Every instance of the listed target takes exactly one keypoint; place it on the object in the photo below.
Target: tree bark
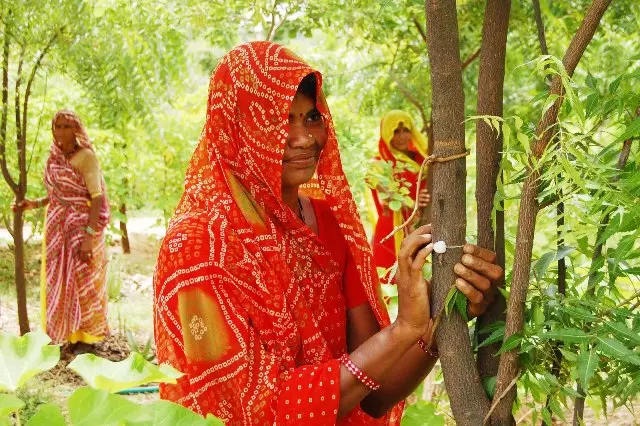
(488, 157)
(468, 400)
(509, 366)
(5, 112)
(21, 284)
(126, 248)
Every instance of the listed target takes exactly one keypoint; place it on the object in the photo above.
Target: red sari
(249, 302)
(385, 254)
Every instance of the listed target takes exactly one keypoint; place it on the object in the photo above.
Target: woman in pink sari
(73, 289)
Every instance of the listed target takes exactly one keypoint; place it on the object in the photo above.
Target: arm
(476, 271)
(30, 204)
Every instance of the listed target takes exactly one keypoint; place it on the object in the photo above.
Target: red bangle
(366, 380)
(423, 345)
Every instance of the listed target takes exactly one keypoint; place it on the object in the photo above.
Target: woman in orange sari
(73, 288)
(402, 145)
(266, 295)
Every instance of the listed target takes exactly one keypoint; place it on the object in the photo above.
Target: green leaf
(21, 358)
(556, 408)
(621, 330)
(510, 343)
(632, 129)
(449, 302)
(578, 313)
(617, 350)
(9, 404)
(47, 415)
(587, 365)
(166, 413)
(112, 376)
(567, 335)
(546, 416)
(489, 384)
(496, 336)
(94, 407)
(543, 264)
(538, 315)
(422, 413)
(395, 205)
(461, 305)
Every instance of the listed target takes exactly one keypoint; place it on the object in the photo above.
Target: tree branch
(5, 113)
(509, 363)
(470, 59)
(489, 146)
(411, 98)
(418, 25)
(22, 150)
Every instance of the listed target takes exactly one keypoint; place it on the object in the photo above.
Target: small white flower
(440, 247)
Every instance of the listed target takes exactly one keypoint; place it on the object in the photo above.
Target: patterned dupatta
(75, 290)
(248, 301)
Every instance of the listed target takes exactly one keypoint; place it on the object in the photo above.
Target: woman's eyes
(314, 117)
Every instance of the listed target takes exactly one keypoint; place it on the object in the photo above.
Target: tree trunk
(20, 280)
(488, 157)
(509, 365)
(468, 400)
(126, 248)
(578, 407)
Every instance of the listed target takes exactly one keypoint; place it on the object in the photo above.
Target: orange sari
(249, 302)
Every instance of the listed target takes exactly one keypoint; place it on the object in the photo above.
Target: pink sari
(76, 302)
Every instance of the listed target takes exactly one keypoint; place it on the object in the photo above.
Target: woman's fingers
(474, 296)
(484, 254)
(408, 249)
(421, 258)
(480, 282)
(490, 270)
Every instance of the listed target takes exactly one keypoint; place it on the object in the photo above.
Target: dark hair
(307, 86)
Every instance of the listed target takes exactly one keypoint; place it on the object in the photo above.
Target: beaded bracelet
(423, 345)
(366, 380)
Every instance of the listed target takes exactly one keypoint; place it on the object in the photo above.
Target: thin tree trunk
(488, 157)
(509, 365)
(578, 407)
(468, 400)
(21, 284)
(126, 248)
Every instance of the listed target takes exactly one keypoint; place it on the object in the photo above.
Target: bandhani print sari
(248, 301)
(73, 292)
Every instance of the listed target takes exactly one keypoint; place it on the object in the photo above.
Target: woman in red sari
(266, 297)
(402, 145)
(73, 289)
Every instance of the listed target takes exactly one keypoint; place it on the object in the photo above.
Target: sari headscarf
(75, 291)
(385, 256)
(388, 125)
(247, 299)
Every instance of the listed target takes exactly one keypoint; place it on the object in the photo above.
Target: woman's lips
(302, 161)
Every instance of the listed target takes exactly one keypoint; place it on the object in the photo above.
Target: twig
(430, 159)
(629, 299)
(495, 402)
(418, 25)
(470, 59)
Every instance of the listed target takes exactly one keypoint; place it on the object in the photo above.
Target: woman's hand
(477, 276)
(24, 205)
(86, 249)
(413, 293)
(424, 198)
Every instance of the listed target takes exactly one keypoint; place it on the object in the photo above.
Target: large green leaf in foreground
(112, 376)
(94, 407)
(21, 358)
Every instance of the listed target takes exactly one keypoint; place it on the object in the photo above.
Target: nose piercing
(310, 135)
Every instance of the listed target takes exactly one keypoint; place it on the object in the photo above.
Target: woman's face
(64, 133)
(307, 137)
(401, 138)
